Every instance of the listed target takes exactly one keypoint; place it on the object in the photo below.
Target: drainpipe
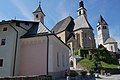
(15, 54)
(47, 52)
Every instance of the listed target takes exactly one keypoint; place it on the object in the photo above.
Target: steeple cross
(40, 2)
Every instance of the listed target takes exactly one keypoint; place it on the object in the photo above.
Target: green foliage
(91, 72)
(100, 54)
(83, 72)
(73, 73)
(91, 64)
(103, 72)
(86, 63)
(84, 53)
(77, 52)
(107, 65)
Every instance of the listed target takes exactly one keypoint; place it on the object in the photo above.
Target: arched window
(84, 12)
(111, 48)
(98, 28)
(37, 16)
(80, 12)
(71, 63)
(104, 27)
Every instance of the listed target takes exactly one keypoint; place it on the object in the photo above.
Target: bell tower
(103, 31)
(38, 14)
(81, 9)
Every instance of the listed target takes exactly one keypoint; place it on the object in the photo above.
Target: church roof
(101, 21)
(71, 37)
(65, 24)
(82, 22)
(36, 29)
(110, 40)
(39, 10)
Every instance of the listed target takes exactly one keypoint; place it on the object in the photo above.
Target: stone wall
(85, 77)
(113, 71)
(43, 77)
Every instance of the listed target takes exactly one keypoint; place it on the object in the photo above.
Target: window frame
(1, 63)
(58, 64)
(3, 42)
(36, 16)
(4, 29)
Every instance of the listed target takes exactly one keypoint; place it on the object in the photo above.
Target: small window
(111, 48)
(104, 27)
(63, 60)
(37, 16)
(85, 35)
(84, 12)
(5, 29)
(80, 12)
(1, 62)
(17, 24)
(3, 41)
(98, 28)
(58, 60)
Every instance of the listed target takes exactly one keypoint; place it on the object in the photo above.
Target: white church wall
(112, 47)
(8, 50)
(58, 57)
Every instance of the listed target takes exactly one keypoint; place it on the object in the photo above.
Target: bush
(91, 72)
(103, 72)
(73, 73)
(83, 72)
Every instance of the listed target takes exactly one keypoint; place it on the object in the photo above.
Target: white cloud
(23, 9)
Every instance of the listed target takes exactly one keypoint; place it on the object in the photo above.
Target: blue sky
(55, 10)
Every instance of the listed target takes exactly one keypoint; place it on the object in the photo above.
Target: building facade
(76, 31)
(29, 48)
(104, 37)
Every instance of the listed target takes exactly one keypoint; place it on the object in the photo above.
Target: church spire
(38, 14)
(81, 10)
(81, 4)
(103, 31)
(101, 21)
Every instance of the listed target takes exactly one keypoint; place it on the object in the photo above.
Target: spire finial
(81, 4)
(40, 2)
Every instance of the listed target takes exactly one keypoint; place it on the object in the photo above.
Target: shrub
(103, 72)
(83, 72)
(91, 72)
(73, 73)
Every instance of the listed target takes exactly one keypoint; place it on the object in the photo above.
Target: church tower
(103, 31)
(83, 30)
(81, 9)
(39, 15)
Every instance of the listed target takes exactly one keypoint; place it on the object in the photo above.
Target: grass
(89, 63)
(106, 65)
(86, 63)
